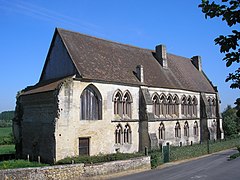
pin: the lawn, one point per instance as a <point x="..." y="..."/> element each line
<point x="5" y="131"/>
<point x="7" y="149"/>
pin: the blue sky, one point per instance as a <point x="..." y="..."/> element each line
<point x="27" y="28"/>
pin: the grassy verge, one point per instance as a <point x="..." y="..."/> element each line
<point x="5" y="131"/>
<point x="196" y="150"/>
<point x="7" y="149"/>
<point x="6" y="136"/>
<point x="19" y="164"/>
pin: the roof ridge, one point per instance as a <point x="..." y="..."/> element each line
<point x="110" y="41"/>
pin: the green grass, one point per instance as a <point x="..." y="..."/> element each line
<point x="186" y="152"/>
<point x="6" y="136"/>
<point x="7" y="149"/>
<point x="5" y="131"/>
<point x="12" y="164"/>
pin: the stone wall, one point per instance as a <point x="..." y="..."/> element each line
<point x="76" y="171"/>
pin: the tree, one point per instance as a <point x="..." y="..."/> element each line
<point x="229" y="12"/>
<point x="230" y="121"/>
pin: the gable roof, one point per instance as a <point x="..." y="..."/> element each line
<point x="103" y="60"/>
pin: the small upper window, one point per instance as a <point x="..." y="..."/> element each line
<point x="156" y="105"/>
<point x="91" y="104"/>
<point x="195" y="103"/>
<point x="118" y="109"/>
<point x="127" y="103"/>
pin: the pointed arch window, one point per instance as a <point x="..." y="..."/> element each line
<point x="118" y="105"/>
<point x="156" y="105"/>
<point x="127" y="104"/>
<point x="118" y="134"/>
<point x="127" y="137"/>
<point x="161" y="131"/>
<point x="177" y="130"/>
<point x="169" y="105"/>
<point x="213" y="107"/>
<point x="175" y="105"/>
<point x="90" y="104"/>
<point x="189" y="106"/>
<point x="186" y="129"/>
<point x="195" y="129"/>
<point x="163" y="105"/>
<point x="209" y="107"/>
<point x="184" y="106"/>
<point x="195" y="103"/>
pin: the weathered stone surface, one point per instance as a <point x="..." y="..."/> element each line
<point x="75" y="171"/>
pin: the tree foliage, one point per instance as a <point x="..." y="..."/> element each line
<point x="231" y="122"/>
<point x="229" y="12"/>
<point x="6" y="118"/>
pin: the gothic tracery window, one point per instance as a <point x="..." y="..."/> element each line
<point x="161" y="131"/>
<point x="156" y="105"/>
<point x="127" y="135"/>
<point x="186" y="129"/>
<point x="177" y="130"/>
<point x="195" y="129"/>
<point x="175" y="105"/>
<point x="127" y="103"/>
<point x="118" y="134"/>
<point x="90" y="104"/>
<point x="195" y="103"/>
<point x="118" y="104"/>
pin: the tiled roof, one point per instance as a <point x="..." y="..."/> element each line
<point x="103" y="60"/>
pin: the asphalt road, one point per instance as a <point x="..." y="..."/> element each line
<point x="213" y="167"/>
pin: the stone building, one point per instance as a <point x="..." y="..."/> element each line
<point x="96" y="96"/>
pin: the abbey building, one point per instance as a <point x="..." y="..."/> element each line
<point x="96" y="96"/>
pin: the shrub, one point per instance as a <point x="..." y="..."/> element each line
<point x="99" y="158"/>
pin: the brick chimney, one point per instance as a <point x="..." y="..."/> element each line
<point x="197" y="62"/>
<point x="139" y="73"/>
<point x="161" y="55"/>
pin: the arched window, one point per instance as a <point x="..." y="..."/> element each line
<point x="177" y="130"/>
<point x="156" y="105"/>
<point x="91" y="104"/>
<point x="118" y="134"/>
<point x="186" y="129"/>
<point x="213" y="107"/>
<point x="127" y="135"/>
<point x="169" y="105"/>
<point x="184" y="106"/>
<point x="161" y="131"/>
<point x="195" y="129"/>
<point x="127" y="103"/>
<point x="117" y="99"/>
<point x="195" y="103"/>
<point x="175" y="105"/>
<point x="163" y="104"/>
<point x="209" y="107"/>
<point x="189" y="106"/>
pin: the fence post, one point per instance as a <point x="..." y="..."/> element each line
<point x="28" y="157"/>
<point x="208" y="150"/>
<point x="39" y="159"/>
